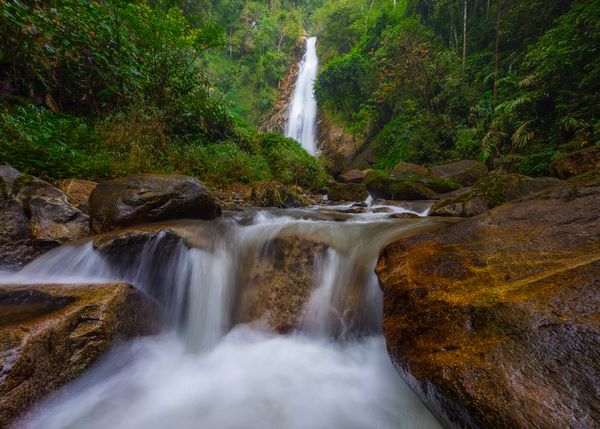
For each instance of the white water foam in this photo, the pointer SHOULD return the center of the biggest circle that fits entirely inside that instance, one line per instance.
(333, 372)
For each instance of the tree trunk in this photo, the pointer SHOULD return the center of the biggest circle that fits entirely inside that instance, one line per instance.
(464, 53)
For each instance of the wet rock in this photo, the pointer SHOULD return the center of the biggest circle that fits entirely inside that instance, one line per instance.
(491, 191)
(279, 279)
(396, 185)
(145, 198)
(576, 163)
(352, 176)
(50, 334)
(35, 217)
(403, 216)
(347, 192)
(130, 242)
(78, 192)
(51, 216)
(494, 320)
(15, 254)
(465, 172)
(274, 194)
(407, 167)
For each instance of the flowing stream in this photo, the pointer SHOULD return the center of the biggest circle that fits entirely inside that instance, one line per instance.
(209, 370)
(302, 117)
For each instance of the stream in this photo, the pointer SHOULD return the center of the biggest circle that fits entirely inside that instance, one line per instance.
(208, 370)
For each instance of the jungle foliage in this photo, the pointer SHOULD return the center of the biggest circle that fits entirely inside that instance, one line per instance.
(97, 89)
(527, 89)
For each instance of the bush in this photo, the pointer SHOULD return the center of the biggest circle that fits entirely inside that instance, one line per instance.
(36, 141)
(223, 164)
(290, 163)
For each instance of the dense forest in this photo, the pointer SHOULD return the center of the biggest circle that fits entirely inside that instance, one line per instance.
(107, 88)
(513, 83)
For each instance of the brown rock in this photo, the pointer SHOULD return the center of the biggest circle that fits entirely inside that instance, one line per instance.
(51, 216)
(78, 192)
(278, 279)
(407, 167)
(35, 216)
(576, 163)
(403, 216)
(49, 335)
(494, 320)
(465, 172)
(353, 176)
(338, 145)
(145, 198)
(347, 192)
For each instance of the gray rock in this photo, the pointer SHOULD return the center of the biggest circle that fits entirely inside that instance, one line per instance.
(147, 198)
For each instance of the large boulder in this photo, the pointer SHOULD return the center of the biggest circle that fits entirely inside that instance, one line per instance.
(35, 217)
(489, 192)
(353, 176)
(398, 185)
(274, 194)
(407, 167)
(49, 335)
(147, 198)
(347, 192)
(278, 280)
(51, 216)
(576, 163)
(494, 320)
(465, 172)
(78, 192)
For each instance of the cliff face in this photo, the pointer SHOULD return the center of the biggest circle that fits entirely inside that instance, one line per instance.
(337, 145)
(276, 123)
(494, 320)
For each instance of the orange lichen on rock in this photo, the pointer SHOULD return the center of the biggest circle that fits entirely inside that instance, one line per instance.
(496, 319)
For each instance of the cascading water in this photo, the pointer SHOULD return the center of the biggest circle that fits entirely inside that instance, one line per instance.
(302, 117)
(206, 370)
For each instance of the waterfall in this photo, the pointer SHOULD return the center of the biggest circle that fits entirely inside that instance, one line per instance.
(302, 118)
(208, 370)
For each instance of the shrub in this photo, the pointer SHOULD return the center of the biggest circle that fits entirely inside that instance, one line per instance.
(289, 162)
(36, 141)
(223, 163)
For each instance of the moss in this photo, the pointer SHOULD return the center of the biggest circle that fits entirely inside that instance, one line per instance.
(376, 176)
(441, 186)
(492, 188)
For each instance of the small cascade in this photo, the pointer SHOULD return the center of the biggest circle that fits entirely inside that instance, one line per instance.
(302, 117)
(206, 364)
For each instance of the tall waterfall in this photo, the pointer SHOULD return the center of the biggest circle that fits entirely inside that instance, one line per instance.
(302, 118)
(206, 370)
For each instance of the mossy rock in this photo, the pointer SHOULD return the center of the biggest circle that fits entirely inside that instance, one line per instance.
(577, 163)
(491, 191)
(466, 172)
(401, 185)
(347, 192)
(274, 194)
